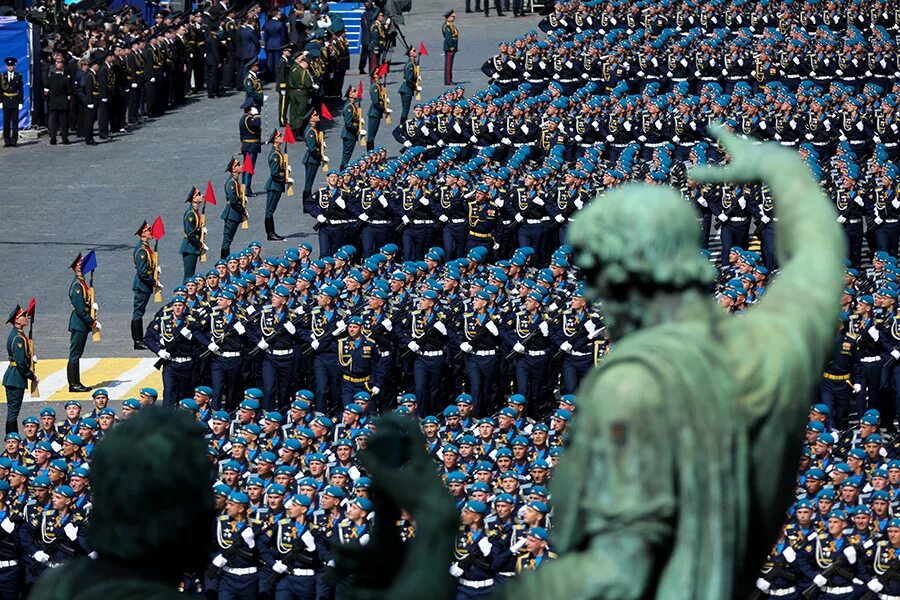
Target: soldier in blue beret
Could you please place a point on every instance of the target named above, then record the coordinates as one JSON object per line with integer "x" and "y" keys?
{"x": 169, "y": 336}
{"x": 234, "y": 566}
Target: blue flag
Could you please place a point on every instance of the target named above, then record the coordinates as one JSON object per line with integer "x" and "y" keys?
{"x": 89, "y": 262}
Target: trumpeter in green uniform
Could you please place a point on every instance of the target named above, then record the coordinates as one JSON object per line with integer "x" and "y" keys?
{"x": 235, "y": 207}
{"x": 192, "y": 244}
{"x": 410, "y": 84}
{"x": 275, "y": 186}
{"x": 143, "y": 284}
{"x": 20, "y": 371}
{"x": 81, "y": 322}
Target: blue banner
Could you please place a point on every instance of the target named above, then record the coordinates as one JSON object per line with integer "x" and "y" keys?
{"x": 14, "y": 42}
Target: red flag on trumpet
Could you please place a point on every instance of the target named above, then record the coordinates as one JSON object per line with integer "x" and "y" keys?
{"x": 210, "y": 193}
{"x": 32, "y": 304}
{"x": 289, "y": 134}
{"x": 248, "y": 164}
{"x": 157, "y": 230}
{"x": 326, "y": 114}
{"x": 422, "y": 50}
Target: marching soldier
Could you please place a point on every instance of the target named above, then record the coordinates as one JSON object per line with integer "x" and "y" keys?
{"x": 275, "y": 336}
{"x": 233, "y": 569}
{"x": 358, "y": 357}
{"x": 170, "y": 337}
{"x": 223, "y": 333}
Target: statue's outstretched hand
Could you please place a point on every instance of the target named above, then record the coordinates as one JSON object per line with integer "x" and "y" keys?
{"x": 748, "y": 160}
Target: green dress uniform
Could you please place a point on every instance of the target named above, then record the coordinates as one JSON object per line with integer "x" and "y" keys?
{"x": 143, "y": 285}
{"x": 192, "y": 244}
{"x": 299, "y": 89}
{"x": 451, "y": 44}
{"x": 376, "y": 111}
{"x": 350, "y": 132}
{"x": 18, "y": 373}
{"x": 282, "y": 71}
{"x": 408, "y": 87}
{"x": 311, "y": 161}
{"x": 80, "y": 323}
{"x": 233, "y": 214}
{"x": 275, "y": 186}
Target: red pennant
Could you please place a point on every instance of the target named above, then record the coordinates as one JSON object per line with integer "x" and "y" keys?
{"x": 326, "y": 114}
{"x": 289, "y": 134}
{"x": 31, "y": 307}
{"x": 382, "y": 70}
{"x": 248, "y": 164}
{"x": 157, "y": 230}
{"x": 422, "y": 50}
{"x": 210, "y": 193}
{"x": 359, "y": 91}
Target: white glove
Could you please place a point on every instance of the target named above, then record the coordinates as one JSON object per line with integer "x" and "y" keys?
{"x": 7, "y": 525}
{"x": 492, "y": 328}
{"x": 251, "y": 309}
{"x": 382, "y": 201}
{"x": 506, "y": 141}
{"x": 213, "y": 347}
{"x": 789, "y": 554}
{"x": 363, "y": 217}
{"x": 134, "y": 86}
{"x": 265, "y": 98}
{"x": 71, "y": 531}
{"x": 857, "y": 387}
{"x": 544, "y": 329}
{"x": 321, "y": 219}
{"x": 895, "y": 354}
{"x": 103, "y": 100}
{"x": 362, "y": 132}
{"x": 279, "y": 567}
{"x": 565, "y": 347}
{"x": 423, "y": 201}
{"x": 473, "y": 139}
{"x": 186, "y": 332}
{"x": 538, "y": 202}
{"x": 578, "y": 204}
{"x": 820, "y": 580}
{"x": 163, "y": 354}
{"x": 291, "y": 329}
{"x": 315, "y": 344}
{"x": 518, "y": 545}
{"x": 413, "y": 346}
{"x": 765, "y": 219}
{"x": 443, "y": 218}
{"x": 518, "y": 217}
{"x": 325, "y": 159}
{"x": 97, "y": 325}
{"x": 875, "y": 586}
{"x": 375, "y": 389}
{"x": 219, "y": 561}
{"x": 742, "y": 203}
{"x": 315, "y": 86}
{"x": 484, "y": 544}
{"x": 364, "y": 539}
{"x": 405, "y": 219}
{"x": 519, "y": 348}
{"x": 441, "y": 327}
{"x": 308, "y": 541}
{"x": 407, "y": 144}
{"x": 873, "y": 331}
{"x": 239, "y": 327}
{"x": 495, "y": 76}
{"x": 249, "y": 539}
{"x": 387, "y": 324}
{"x": 263, "y": 345}
{"x": 559, "y": 218}
{"x": 841, "y": 219}
{"x": 440, "y": 143}
{"x": 340, "y": 202}
{"x": 205, "y": 247}
{"x": 610, "y": 138}
{"x": 340, "y": 327}
{"x": 41, "y": 556}
{"x": 90, "y": 106}
{"x": 153, "y": 80}
{"x": 850, "y": 553}
{"x": 763, "y": 585}
{"x": 723, "y": 217}
{"x": 388, "y": 110}
{"x": 466, "y": 347}
{"x": 455, "y": 570}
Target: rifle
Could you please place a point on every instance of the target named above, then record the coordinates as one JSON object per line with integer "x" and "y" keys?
{"x": 309, "y": 350}
{"x": 891, "y": 573}
{"x": 813, "y": 590}
{"x": 778, "y": 568}
{"x": 294, "y": 554}
{"x": 232, "y": 551}
{"x": 425, "y": 336}
{"x": 229, "y": 334}
{"x": 327, "y": 214}
{"x": 477, "y": 337}
{"x": 278, "y": 333}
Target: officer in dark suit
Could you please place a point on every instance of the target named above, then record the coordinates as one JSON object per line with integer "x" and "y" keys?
{"x": 325, "y": 325}
{"x": 365, "y": 26}
{"x": 59, "y": 92}
{"x": 250, "y": 127}
{"x": 253, "y": 86}
{"x": 106, "y": 82}
{"x": 144, "y": 283}
{"x": 215, "y": 50}
{"x": 13, "y": 98}
{"x": 235, "y": 210}
{"x": 170, "y": 337}
{"x": 87, "y": 113}
{"x": 192, "y": 245}
{"x": 248, "y": 42}
{"x": 80, "y": 323}
{"x": 476, "y": 334}
{"x": 20, "y": 352}
{"x": 276, "y": 36}
{"x": 358, "y": 358}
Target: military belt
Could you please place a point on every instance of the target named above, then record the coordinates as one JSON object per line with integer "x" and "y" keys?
{"x": 384, "y": 353}
{"x": 11, "y": 95}
{"x": 891, "y": 144}
{"x": 182, "y": 359}
{"x": 280, "y": 352}
{"x": 340, "y": 222}
{"x": 854, "y": 221}
{"x": 379, "y": 222}
{"x": 250, "y": 141}
{"x": 784, "y": 592}
{"x": 574, "y": 353}
{"x": 892, "y": 220}
{"x": 302, "y": 572}
{"x": 432, "y": 353}
{"x": 485, "y": 583}
{"x": 537, "y": 353}
{"x": 229, "y": 354}
{"x": 838, "y": 590}
{"x": 833, "y": 377}
{"x": 457, "y": 221}
{"x": 240, "y": 572}
{"x": 12, "y": 363}
{"x": 536, "y": 221}
{"x": 475, "y": 234}
{"x": 357, "y": 379}
{"x": 423, "y": 221}
{"x": 870, "y": 359}
{"x": 737, "y": 219}
{"x": 8, "y": 563}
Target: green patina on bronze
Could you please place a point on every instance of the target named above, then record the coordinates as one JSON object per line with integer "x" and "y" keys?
{"x": 152, "y": 513}
{"x": 684, "y": 448}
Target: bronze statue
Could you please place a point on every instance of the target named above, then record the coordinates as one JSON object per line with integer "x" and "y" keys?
{"x": 152, "y": 514}
{"x": 684, "y": 447}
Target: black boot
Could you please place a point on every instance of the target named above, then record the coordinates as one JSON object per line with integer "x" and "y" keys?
{"x": 137, "y": 334}
{"x": 73, "y": 373}
{"x": 12, "y": 427}
{"x": 223, "y": 253}
{"x": 270, "y": 230}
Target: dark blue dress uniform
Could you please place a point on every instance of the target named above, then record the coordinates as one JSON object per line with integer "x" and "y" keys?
{"x": 336, "y": 222}
{"x": 821, "y": 552}
{"x": 19, "y": 373}
{"x": 481, "y": 219}
{"x": 476, "y": 579}
{"x": 851, "y": 207}
{"x": 836, "y": 387}
{"x": 454, "y": 216}
{"x": 357, "y": 359}
{"x": 765, "y": 220}
{"x": 527, "y": 334}
{"x": 171, "y": 338}
{"x": 885, "y": 217}
{"x": 234, "y": 213}
{"x": 292, "y": 544}
{"x": 12, "y": 87}
{"x": 530, "y": 212}
{"x": 425, "y": 334}
{"x": 731, "y": 209}
{"x": 250, "y": 127}
{"x": 275, "y": 336}
{"x": 875, "y": 568}
{"x": 324, "y": 327}
{"x": 419, "y": 217}
{"x": 779, "y": 573}
{"x": 574, "y": 334}
{"x": 237, "y": 579}
{"x": 223, "y": 333}
{"x": 377, "y": 214}
{"x": 192, "y": 244}
{"x": 477, "y": 336}
{"x": 13, "y": 542}
{"x": 59, "y": 537}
